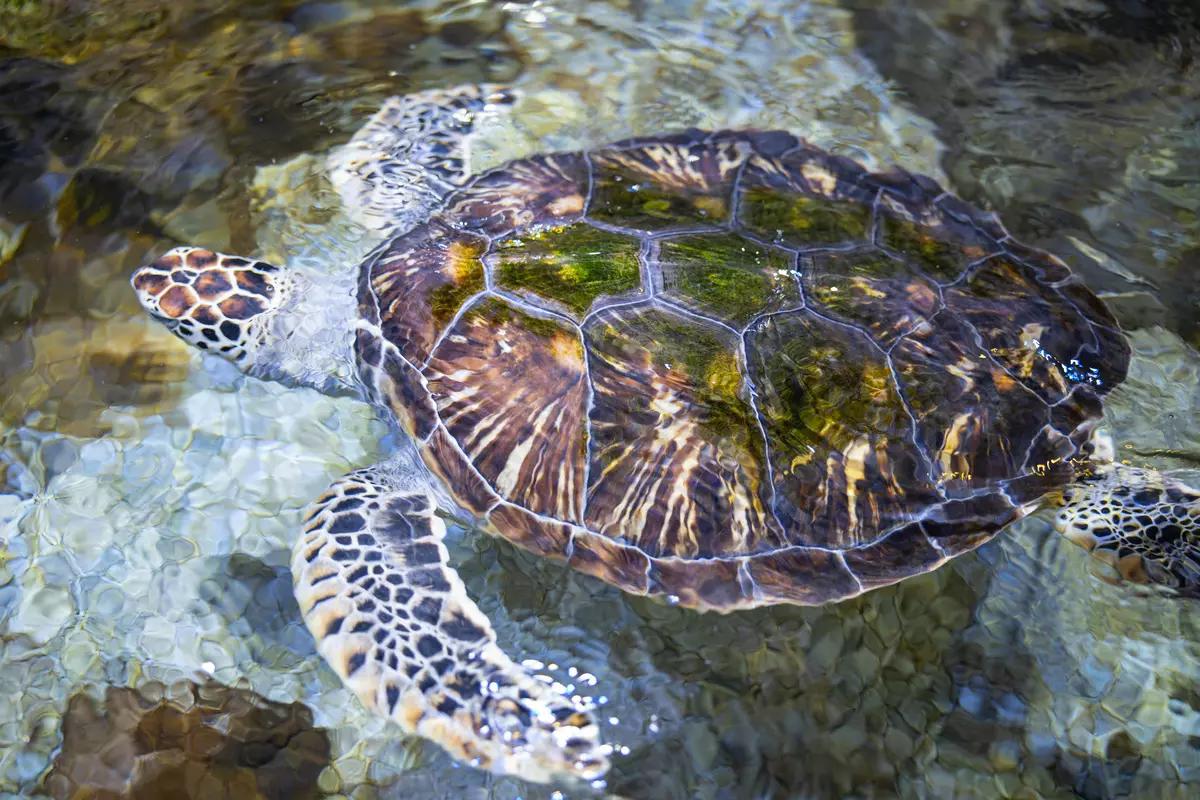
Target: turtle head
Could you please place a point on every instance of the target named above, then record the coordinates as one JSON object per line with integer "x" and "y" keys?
{"x": 218, "y": 303}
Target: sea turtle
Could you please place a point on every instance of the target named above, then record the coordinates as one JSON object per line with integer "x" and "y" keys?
{"x": 725, "y": 369}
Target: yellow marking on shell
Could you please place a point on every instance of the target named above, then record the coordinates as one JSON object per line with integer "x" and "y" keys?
{"x": 462, "y": 260}
{"x": 1003, "y": 381}
{"x": 713, "y": 207}
{"x": 877, "y": 378}
{"x": 571, "y": 204}
{"x": 854, "y": 467}
{"x": 819, "y": 178}
{"x": 722, "y": 376}
{"x": 506, "y": 481}
{"x": 1031, "y": 334}
{"x": 732, "y": 156}
{"x": 681, "y": 439}
{"x": 949, "y": 455}
{"x": 567, "y": 349}
{"x": 863, "y": 285}
{"x": 963, "y": 371}
{"x": 676, "y": 163}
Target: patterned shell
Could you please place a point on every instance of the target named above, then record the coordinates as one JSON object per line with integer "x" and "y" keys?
{"x": 733, "y": 369}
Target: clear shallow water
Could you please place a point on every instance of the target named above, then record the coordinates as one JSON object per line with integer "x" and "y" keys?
{"x": 151, "y": 497}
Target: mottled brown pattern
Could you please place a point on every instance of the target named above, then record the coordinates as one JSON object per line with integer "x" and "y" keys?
{"x": 536, "y": 192}
{"x": 1109, "y": 352}
{"x": 1075, "y": 413}
{"x": 1048, "y": 448}
{"x": 935, "y": 243}
{"x": 199, "y": 259}
{"x": 206, "y": 314}
{"x": 1048, "y": 268}
{"x": 176, "y": 301}
{"x": 673, "y": 167}
{"x": 151, "y": 282}
{"x": 211, "y": 284}
{"x": 539, "y": 535}
{"x": 253, "y": 282}
{"x": 240, "y": 307}
{"x": 1034, "y": 486}
{"x": 420, "y": 281}
{"x": 958, "y": 526}
{"x": 677, "y": 459}
{"x": 512, "y": 390}
{"x": 167, "y": 262}
{"x": 662, "y": 185}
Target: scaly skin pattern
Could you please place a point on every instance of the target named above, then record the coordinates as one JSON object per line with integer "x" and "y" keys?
{"x": 394, "y": 621}
{"x": 219, "y": 303}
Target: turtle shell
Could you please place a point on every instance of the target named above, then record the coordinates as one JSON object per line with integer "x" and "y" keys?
{"x": 734, "y": 369}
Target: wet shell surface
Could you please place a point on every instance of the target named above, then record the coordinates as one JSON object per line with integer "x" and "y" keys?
{"x": 733, "y": 369}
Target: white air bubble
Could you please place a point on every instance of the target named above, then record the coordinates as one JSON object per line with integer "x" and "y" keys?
{"x": 614, "y": 720}
{"x": 672, "y": 599}
{"x": 532, "y": 663}
{"x": 572, "y": 672}
{"x": 599, "y": 784}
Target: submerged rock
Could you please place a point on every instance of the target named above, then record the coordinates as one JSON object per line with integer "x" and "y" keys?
{"x": 189, "y": 741}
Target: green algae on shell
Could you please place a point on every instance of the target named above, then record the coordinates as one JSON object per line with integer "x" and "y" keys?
{"x": 572, "y": 266}
{"x": 727, "y": 275}
{"x": 802, "y": 221}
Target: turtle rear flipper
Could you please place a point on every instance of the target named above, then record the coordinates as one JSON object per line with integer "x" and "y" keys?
{"x": 394, "y": 621}
{"x": 1145, "y": 526}
{"x": 411, "y": 153}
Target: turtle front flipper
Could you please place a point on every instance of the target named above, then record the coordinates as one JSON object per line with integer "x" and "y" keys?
{"x": 411, "y": 154}
{"x": 394, "y": 621}
{"x": 1142, "y": 523}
